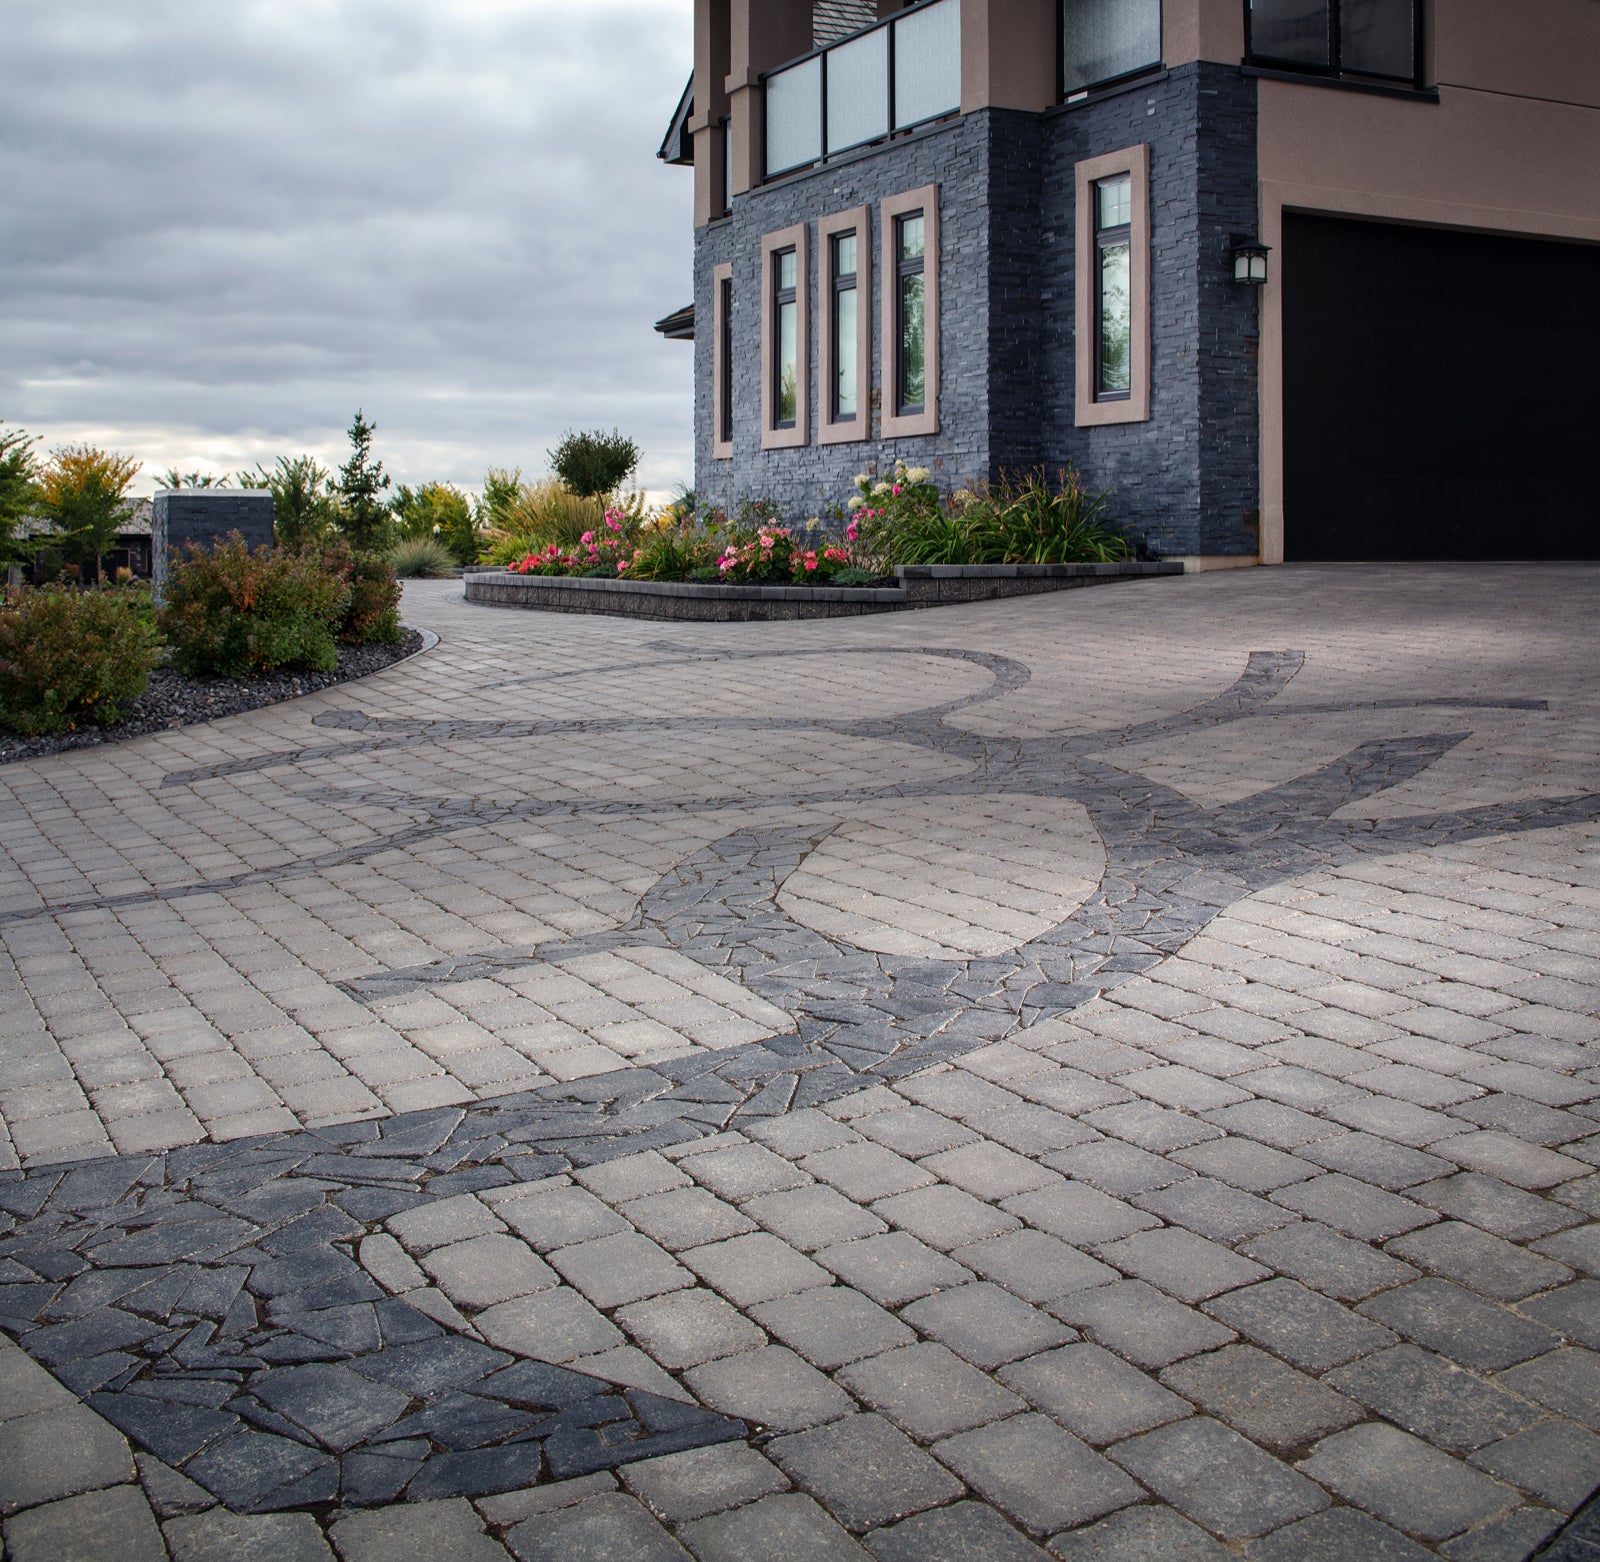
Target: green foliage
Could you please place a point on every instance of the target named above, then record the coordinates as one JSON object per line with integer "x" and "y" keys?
{"x": 172, "y": 478}
{"x": 230, "y": 612}
{"x": 594, "y": 464}
{"x": 422, "y": 558}
{"x": 438, "y": 510}
{"x": 19, "y": 491}
{"x": 305, "y": 513}
{"x": 364, "y": 518}
{"x": 71, "y": 656}
{"x": 540, "y": 515}
{"x": 851, "y": 575}
{"x": 372, "y": 610}
{"x": 501, "y": 490}
{"x": 82, "y": 496}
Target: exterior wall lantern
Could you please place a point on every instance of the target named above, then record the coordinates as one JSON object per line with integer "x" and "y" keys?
{"x": 1249, "y": 258}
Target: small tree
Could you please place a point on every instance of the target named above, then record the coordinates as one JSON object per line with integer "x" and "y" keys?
{"x": 19, "y": 491}
{"x": 364, "y": 518}
{"x": 501, "y": 490}
{"x": 173, "y": 479}
{"x": 595, "y": 464}
{"x": 82, "y": 494}
{"x": 304, "y": 511}
{"x": 437, "y": 510}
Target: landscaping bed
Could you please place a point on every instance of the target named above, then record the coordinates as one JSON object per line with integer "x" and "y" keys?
{"x": 915, "y": 586}
{"x": 172, "y": 700}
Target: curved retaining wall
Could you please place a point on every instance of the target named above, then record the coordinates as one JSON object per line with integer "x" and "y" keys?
{"x": 918, "y": 585}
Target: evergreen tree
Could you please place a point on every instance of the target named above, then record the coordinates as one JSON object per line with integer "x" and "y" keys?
{"x": 19, "y": 491}
{"x": 365, "y": 518}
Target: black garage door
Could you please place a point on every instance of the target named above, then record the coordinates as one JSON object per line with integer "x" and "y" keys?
{"x": 1441, "y": 394}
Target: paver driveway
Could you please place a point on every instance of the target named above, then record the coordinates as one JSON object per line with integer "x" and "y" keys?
{"x": 1115, "y": 1073}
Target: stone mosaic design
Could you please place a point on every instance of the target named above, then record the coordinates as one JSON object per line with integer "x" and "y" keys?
{"x": 245, "y": 1312}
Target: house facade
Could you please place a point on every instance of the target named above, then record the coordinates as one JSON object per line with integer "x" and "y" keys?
{"x": 1303, "y": 279}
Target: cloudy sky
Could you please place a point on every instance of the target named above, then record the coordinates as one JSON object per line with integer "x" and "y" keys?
{"x": 225, "y": 224}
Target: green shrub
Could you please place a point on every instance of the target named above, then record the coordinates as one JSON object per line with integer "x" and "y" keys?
{"x": 422, "y": 558}
{"x": 540, "y": 515}
{"x": 230, "y": 612}
{"x": 372, "y": 616}
{"x": 71, "y": 656}
{"x": 596, "y": 464}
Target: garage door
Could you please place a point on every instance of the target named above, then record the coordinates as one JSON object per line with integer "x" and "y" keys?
{"x": 1441, "y": 394}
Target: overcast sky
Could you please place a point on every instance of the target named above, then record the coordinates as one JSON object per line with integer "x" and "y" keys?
{"x": 225, "y": 224}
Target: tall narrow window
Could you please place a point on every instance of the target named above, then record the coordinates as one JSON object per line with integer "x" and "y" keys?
{"x": 722, "y": 362}
{"x": 909, "y": 322}
{"x": 786, "y": 349}
{"x": 845, "y": 390}
{"x": 911, "y": 363}
{"x": 1111, "y": 332}
{"x": 844, "y": 343}
{"x": 785, "y": 338}
{"x": 1113, "y": 298}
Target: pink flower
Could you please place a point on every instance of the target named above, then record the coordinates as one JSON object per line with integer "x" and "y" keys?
{"x": 586, "y": 537}
{"x": 895, "y": 489}
{"x": 811, "y": 562}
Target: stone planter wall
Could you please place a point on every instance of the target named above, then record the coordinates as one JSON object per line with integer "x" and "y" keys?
{"x": 923, "y": 585}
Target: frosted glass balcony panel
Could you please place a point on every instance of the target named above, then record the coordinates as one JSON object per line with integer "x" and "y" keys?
{"x": 794, "y": 116}
{"x": 858, "y": 90}
{"x": 927, "y": 63}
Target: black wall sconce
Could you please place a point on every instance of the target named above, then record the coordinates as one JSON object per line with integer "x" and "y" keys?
{"x": 1248, "y": 257}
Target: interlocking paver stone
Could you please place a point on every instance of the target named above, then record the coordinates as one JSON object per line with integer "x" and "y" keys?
{"x": 1117, "y": 1168}
{"x": 771, "y": 1386}
{"x": 623, "y": 1268}
{"x": 112, "y": 1523}
{"x": 1093, "y": 1393}
{"x": 57, "y": 1453}
{"x": 1036, "y": 1267}
{"x": 944, "y": 1217}
{"x": 754, "y": 1268}
{"x": 928, "y": 1391}
{"x": 413, "y": 1533}
{"x": 1457, "y": 1324}
{"x": 985, "y": 1325}
{"x": 1566, "y": 1380}
{"x": 1258, "y": 1395}
{"x": 1079, "y": 1214}
{"x": 262, "y": 1537}
{"x": 685, "y": 1328}
{"x": 1355, "y": 1208}
{"x": 1326, "y": 1261}
{"x": 1138, "y": 1322}
{"x": 962, "y": 1532}
{"x": 1555, "y": 1460}
{"x": 789, "y": 1524}
{"x": 1434, "y": 1398}
{"x": 1137, "y": 1534}
{"x": 485, "y": 1270}
{"x": 742, "y": 1171}
{"x": 1405, "y": 1482}
{"x": 866, "y": 1171}
{"x": 1487, "y": 1264}
{"x": 686, "y": 1217}
{"x": 832, "y": 1327}
{"x": 893, "y": 1268}
{"x": 1300, "y": 1325}
{"x": 698, "y": 1481}
{"x": 1181, "y": 1264}
{"x": 864, "y": 1471}
{"x": 1219, "y": 1480}
{"x": 812, "y": 1217}
{"x": 1337, "y": 1535}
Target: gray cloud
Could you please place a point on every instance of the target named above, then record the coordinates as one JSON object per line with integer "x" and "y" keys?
{"x": 227, "y": 224}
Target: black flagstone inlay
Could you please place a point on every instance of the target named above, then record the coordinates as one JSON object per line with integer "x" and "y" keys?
{"x": 208, "y": 1301}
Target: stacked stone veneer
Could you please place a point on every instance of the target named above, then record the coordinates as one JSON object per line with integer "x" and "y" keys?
{"x": 1186, "y": 481}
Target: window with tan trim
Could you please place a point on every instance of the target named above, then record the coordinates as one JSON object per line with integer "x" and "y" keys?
{"x": 722, "y": 362}
{"x": 786, "y": 338}
{"x": 1113, "y": 288}
{"x": 908, "y": 236}
{"x": 844, "y": 343}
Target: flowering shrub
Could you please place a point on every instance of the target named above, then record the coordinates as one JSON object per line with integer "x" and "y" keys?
{"x": 372, "y": 615}
{"x": 71, "y": 656}
{"x": 602, "y": 551}
{"x": 775, "y": 554}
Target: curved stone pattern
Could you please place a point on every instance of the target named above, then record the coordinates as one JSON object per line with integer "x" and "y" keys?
{"x": 256, "y": 1314}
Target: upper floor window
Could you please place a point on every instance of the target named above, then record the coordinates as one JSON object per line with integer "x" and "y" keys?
{"x": 1376, "y": 39}
{"x": 1105, "y": 40}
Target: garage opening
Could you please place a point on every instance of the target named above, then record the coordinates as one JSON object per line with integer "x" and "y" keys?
{"x": 1441, "y": 394}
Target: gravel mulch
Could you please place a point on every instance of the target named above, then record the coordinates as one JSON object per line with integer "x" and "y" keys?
{"x": 175, "y": 701}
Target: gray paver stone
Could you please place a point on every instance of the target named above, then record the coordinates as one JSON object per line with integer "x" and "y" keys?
{"x": 1117, "y": 1168}
{"x": 1513, "y": 1537}
{"x": 1566, "y": 1380}
{"x": 686, "y": 1217}
{"x": 813, "y": 1216}
{"x": 1300, "y": 1325}
{"x": 1478, "y": 1334}
{"x": 963, "y": 1532}
{"x": 1034, "y": 1266}
{"x": 754, "y": 1268}
{"x": 1405, "y": 1482}
{"x": 1184, "y": 1265}
{"x": 789, "y": 1525}
{"x": 685, "y": 1328}
{"x": 612, "y": 1527}
{"x": 1256, "y": 1168}
{"x": 989, "y": 1170}
{"x": 1138, "y": 1322}
{"x": 1336, "y": 1265}
{"x": 220, "y": 1536}
{"x": 864, "y": 1471}
{"x": 893, "y": 1268}
{"x": 556, "y": 1325}
{"x": 1258, "y": 1395}
{"x": 944, "y": 1217}
{"x": 614, "y": 1270}
{"x": 1143, "y": 1534}
{"x": 487, "y": 1270}
{"x": 1228, "y": 1485}
{"x": 772, "y": 1387}
{"x": 865, "y": 1171}
{"x": 1487, "y": 1264}
{"x": 1436, "y": 1399}
{"x": 915, "y": 1131}
{"x": 631, "y": 1177}
{"x": 560, "y": 1217}
{"x": 985, "y": 1325}
{"x": 832, "y": 1327}
{"x": 1093, "y": 1393}
{"x": 699, "y": 1481}
{"x": 929, "y": 1391}
{"x": 1077, "y": 1213}
{"x": 1558, "y": 1461}
{"x": 1337, "y": 1535}
{"x": 415, "y": 1532}
{"x": 1355, "y": 1208}
{"x": 1038, "y": 1475}
{"x": 58, "y": 1453}
{"x": 116, "y": 1522}
{"x": 1574, "y": 1310}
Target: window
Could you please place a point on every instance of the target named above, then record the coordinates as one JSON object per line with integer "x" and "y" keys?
{"x": 785, "y": 338}
{"x": 722, "y": 363}
{"x": 1105, "y": 40}
{"x": 1376, "y": 39}
{"x": 1113, "y": 288}
{"x": 1113, "y": 241}
{"x": 910, "y": 303}
{"x": 844, "y": 340}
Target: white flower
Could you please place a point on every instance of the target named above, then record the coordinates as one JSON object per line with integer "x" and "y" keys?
{"x": 813, "y": 524}
{"x": 863, "y": 480}
{"x": 883, "y": 488}
{"x": 918, "y": 474}
{"x": 856, "y": 502}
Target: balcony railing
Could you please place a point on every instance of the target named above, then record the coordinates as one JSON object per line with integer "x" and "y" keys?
{"x": 903, "y": 72}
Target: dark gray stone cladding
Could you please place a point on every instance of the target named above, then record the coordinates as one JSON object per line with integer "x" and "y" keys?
{"x": 1186, "y": 481}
